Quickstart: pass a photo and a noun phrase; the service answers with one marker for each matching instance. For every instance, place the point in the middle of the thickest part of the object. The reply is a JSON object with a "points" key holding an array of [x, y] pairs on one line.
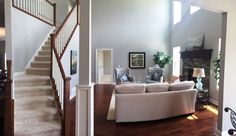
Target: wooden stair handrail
{"points": [[9, 103], [65, 114], [49, 2]]}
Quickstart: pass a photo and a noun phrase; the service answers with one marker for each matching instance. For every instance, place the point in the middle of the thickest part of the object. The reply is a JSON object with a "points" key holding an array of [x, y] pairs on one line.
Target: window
{"points": [[177, 12], [176, 61], [194, 9]]}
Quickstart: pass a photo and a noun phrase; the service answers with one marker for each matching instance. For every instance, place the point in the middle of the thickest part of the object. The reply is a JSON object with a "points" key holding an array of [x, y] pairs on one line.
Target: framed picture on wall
{"points": [[73, 62], [137, 60]]}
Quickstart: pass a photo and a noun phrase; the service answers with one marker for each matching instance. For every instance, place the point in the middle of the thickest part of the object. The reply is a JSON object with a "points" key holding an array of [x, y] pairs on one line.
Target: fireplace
{"points": [[196, 59]]}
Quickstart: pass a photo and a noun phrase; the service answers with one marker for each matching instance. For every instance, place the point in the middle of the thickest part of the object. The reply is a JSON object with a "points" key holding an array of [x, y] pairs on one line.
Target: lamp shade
{"points": [[199, 72]]}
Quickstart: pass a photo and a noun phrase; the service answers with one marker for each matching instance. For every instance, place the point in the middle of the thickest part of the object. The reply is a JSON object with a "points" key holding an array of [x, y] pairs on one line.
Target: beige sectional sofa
{"points": [[145, 102]]}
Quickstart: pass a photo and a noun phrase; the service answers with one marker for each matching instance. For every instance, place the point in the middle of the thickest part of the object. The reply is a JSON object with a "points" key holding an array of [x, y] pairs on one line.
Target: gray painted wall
{"points": [[28, 34], [208, 23], [130, 26]]}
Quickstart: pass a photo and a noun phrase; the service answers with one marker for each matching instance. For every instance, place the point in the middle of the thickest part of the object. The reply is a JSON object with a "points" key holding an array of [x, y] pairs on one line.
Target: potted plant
{"points": [[162, 59], [216, 63]]}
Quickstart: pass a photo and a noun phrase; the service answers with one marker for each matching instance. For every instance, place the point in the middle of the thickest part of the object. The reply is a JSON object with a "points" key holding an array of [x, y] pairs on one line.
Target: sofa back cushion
{"points": [[182, 85], [130, 88], [157, 87]]}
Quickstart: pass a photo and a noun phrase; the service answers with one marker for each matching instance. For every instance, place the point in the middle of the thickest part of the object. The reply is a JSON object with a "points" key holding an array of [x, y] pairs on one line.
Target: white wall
{"points": [[208, 23], [130, 26], [73, 45], [227, 82], [28, 34]]}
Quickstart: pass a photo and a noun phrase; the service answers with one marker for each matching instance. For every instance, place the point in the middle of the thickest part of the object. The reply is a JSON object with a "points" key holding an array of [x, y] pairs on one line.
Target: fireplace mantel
{"points": [[200, 54]]}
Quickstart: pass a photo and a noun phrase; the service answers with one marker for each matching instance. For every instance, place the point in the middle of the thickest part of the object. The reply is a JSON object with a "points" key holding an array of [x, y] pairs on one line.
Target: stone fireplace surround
{"points": [[196, 59]]}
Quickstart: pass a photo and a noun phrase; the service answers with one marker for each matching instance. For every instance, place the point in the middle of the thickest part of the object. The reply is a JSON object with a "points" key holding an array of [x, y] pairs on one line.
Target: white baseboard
{"points": [[213, 101], [36, 53], [18, 73]]}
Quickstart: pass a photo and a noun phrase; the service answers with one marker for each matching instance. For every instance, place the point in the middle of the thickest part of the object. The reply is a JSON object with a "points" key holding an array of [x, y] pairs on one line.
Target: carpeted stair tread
{"points": [[36, 114], [41, 64], [38, 71], [43, 58], [44, 52], [33, 90], [47, 47], [51, 128], [28, 79], [23, 103], [27, 100]]}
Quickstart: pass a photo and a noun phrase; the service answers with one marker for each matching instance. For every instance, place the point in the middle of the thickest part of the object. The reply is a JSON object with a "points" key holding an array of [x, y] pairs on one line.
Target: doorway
{"points": [[104, 66]]}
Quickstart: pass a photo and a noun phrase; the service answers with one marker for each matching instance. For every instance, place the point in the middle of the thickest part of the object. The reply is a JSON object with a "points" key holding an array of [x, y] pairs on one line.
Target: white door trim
{"points": [[97, 70]]}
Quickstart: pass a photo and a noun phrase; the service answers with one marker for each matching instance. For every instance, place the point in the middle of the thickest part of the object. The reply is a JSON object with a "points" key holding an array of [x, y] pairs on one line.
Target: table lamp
{"points": [[199, 73]]}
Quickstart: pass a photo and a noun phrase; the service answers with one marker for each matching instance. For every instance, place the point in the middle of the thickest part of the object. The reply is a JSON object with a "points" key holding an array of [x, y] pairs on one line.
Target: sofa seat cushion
{"points": [[182, 85], [157, 87], [130, 88]]}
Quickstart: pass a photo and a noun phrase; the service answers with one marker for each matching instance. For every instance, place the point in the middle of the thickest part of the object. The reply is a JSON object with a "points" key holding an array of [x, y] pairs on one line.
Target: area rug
{"points": [[111, 111]]}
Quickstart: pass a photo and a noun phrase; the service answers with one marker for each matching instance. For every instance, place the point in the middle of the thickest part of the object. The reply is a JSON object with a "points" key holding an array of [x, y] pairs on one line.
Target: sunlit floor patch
{"points": [[212, 109], [192, 117]]}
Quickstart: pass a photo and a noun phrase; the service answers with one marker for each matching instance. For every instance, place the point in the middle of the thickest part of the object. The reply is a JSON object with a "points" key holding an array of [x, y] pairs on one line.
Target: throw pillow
{"points": [[124, 78], [156, 77]]}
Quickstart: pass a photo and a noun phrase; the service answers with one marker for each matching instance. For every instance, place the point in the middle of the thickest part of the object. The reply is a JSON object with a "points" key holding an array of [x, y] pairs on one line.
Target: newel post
{"points": [[54, 14], [66, 105], [9, 103]]}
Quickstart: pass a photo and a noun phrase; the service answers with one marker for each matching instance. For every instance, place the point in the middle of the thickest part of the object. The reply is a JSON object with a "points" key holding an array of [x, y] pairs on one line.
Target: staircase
{"points": [[40, 101], [35, 108], [41, 64]]}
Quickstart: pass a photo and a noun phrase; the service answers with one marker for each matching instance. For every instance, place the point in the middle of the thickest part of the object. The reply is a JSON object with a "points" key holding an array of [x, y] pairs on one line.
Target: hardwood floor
{"points": [[205, 125]]}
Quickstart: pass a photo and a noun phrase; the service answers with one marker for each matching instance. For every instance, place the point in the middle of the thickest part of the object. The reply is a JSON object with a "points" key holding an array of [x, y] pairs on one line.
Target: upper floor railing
{"points": [[43, 10]]}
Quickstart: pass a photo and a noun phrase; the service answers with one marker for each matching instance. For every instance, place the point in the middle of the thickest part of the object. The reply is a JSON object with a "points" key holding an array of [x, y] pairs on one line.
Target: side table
{"points": [[202, 99]]}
